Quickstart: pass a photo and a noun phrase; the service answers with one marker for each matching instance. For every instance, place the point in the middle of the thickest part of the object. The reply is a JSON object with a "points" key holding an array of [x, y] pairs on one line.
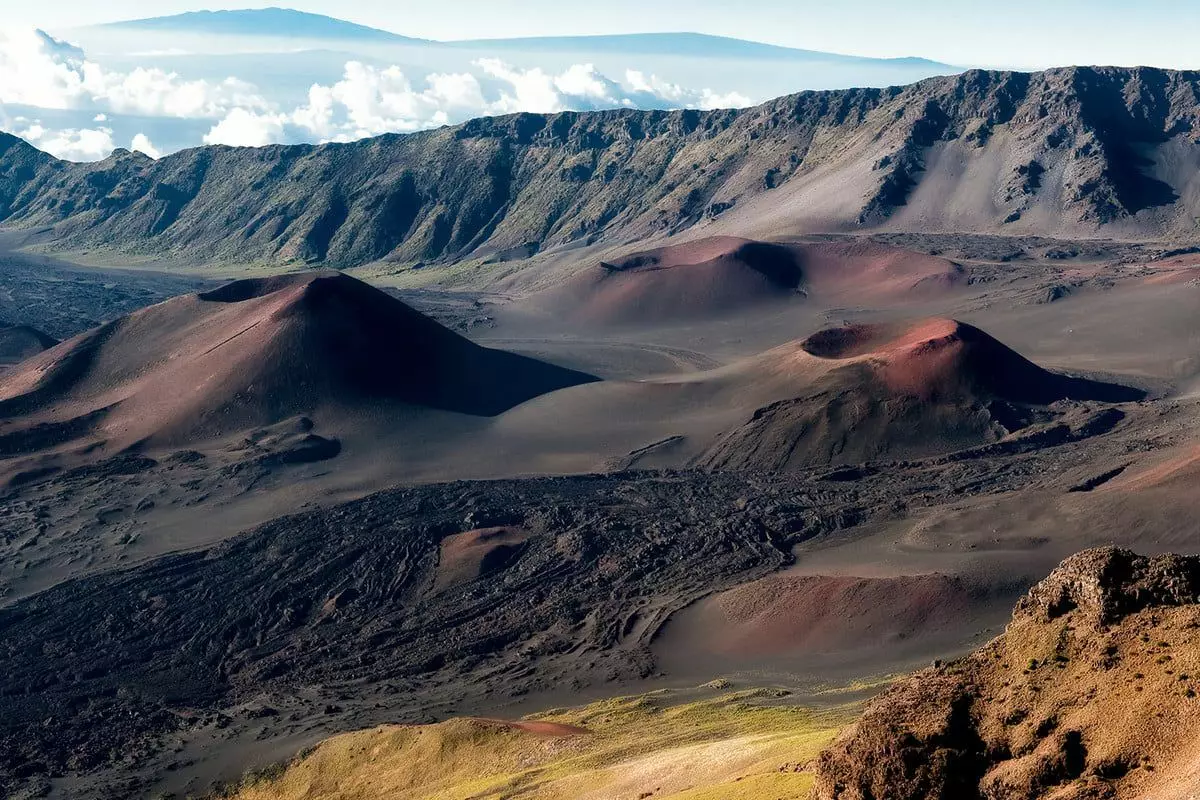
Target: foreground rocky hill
{"points": [[1090, 693], [1067, 151]]}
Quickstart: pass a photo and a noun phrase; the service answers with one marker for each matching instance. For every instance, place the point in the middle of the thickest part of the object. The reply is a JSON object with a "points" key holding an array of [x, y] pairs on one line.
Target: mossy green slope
{"points": [[745, 745]]}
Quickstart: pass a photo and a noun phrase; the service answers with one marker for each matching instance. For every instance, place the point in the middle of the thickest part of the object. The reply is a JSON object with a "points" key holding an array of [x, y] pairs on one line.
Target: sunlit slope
{"points": [[745, 745]]}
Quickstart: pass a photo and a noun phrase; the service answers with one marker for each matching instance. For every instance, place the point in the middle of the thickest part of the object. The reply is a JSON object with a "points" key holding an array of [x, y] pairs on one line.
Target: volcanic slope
{"points": [[743, 745], [1090, 693], [253, 353], [19, 342], [910, 391], [724, 275], [904, 391], [1066, 152]]}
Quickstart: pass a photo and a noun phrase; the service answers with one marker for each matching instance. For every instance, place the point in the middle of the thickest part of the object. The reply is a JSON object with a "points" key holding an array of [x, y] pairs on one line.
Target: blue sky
{"points": [[1020, 33]]}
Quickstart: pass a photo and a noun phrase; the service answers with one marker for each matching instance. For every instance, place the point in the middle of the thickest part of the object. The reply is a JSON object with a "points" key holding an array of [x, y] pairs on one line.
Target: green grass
{"points": [[740, 745]]}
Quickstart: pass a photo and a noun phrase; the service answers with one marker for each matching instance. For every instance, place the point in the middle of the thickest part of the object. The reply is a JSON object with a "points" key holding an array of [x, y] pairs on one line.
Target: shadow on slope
{"points": [[723, 275], [1090, 692], [913, 391], [253, 353]]}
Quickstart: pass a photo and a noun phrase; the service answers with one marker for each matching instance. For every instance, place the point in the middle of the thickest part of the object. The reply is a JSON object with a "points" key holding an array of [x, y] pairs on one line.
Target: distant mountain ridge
{"points": [[262, 22], [681, 43], [285, 22], [1068, 152]]}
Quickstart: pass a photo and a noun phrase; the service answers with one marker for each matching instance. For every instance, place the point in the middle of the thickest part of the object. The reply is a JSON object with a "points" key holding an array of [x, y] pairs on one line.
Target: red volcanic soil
{"points": [[254, 352], [721, 275], [1177, 467], [707, 278], [474, 554], [860, 270], [784, 614], [940, 358], [1183, 268], [904, 391]]}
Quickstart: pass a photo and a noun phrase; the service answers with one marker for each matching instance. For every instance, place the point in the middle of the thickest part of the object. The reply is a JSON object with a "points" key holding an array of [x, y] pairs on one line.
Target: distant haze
{"points": [[254, 77], [1026, 33], [81, 80]]}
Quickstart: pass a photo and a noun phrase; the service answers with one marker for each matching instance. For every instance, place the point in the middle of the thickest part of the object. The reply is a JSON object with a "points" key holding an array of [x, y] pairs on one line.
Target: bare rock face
{"points": [[1109, 584], [1072, 150], [1090, 693], [910, 745]]}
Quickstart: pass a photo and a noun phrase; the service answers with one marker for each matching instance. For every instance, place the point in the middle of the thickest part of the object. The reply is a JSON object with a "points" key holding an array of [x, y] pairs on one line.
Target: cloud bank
{"points": [[369, 101], [39, 71], [75, 144]]}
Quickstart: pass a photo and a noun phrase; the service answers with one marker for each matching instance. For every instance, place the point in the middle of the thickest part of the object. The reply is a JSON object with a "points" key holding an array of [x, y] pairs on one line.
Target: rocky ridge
{"points": [[1090, 693], [1074, 150]]}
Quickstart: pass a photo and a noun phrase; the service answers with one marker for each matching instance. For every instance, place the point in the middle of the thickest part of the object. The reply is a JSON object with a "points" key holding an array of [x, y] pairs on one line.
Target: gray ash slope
{"points": [[1066, 151]]}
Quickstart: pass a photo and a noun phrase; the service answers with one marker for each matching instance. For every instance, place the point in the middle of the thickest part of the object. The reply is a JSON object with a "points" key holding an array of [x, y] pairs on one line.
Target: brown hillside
{"points": [[719, 276], [905, 391], [815, 614], [1090, 693], [700, 279], [255, 352]]}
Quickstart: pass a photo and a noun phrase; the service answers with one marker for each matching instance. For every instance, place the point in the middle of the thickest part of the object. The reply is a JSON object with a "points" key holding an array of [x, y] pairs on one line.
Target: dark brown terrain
{"points": [[521, 593], [1090, 693], [19, 342], [938, 386], [802, 396]]}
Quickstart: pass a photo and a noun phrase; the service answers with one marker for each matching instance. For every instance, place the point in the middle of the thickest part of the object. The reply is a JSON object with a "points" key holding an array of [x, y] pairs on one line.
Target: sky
{"points": [[79, 94], [1016, 33]]}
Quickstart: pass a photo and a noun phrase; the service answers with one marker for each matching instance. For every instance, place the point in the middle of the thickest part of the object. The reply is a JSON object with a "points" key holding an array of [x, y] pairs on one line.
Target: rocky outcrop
{"points": [[1070, 151], [1108, 584], [1090, 693]]}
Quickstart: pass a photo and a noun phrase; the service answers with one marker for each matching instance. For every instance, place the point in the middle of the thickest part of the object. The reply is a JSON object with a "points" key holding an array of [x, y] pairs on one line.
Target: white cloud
{"points": [[242, 128], [40, 71], [73, 144], [368, 101], [529, 90], [153, 92], [687, 98], [142, 144]]}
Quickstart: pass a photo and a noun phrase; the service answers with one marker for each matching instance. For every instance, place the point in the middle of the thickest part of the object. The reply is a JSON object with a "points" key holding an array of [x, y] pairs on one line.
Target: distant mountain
{"points": [[1067, 152], [269, 22], [699, 45], [288, 23]]}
